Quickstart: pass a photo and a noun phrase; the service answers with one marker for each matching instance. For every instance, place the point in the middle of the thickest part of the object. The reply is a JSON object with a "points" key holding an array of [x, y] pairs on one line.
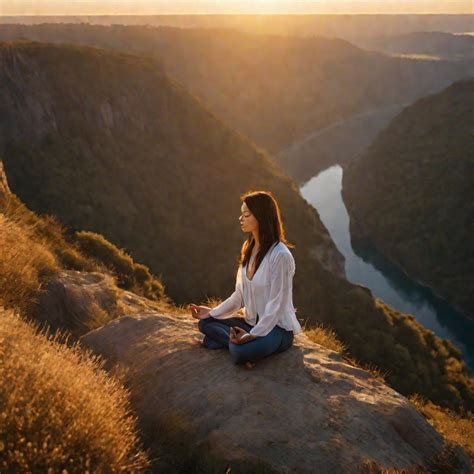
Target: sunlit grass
{"points": [[24, 261], [456, 428], [60, 409]]}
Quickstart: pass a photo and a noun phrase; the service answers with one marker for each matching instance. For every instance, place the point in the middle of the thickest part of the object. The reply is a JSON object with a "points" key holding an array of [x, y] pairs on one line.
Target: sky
{"points": [[144, 7]]}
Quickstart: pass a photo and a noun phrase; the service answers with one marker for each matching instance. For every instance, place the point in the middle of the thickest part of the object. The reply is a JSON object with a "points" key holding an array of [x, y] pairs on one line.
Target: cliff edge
{"points": [[305, 410]]}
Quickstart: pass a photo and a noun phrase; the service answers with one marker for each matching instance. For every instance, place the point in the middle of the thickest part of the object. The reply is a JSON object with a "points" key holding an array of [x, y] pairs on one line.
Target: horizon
{"points": [[233, 7]]}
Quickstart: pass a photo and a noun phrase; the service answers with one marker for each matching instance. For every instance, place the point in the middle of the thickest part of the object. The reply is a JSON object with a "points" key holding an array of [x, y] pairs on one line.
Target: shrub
{"points": [[131, 276], [60, 409], [24, 261], [98, 247], [50, 232]]}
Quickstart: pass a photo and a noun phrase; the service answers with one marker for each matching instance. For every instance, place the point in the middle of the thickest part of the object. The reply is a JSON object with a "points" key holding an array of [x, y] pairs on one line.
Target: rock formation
{"points": [[305, 410]]}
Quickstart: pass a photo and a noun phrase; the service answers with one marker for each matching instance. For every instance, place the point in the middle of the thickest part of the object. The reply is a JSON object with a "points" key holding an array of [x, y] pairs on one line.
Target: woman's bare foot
{"points": [[250, 365], [198, 341]]}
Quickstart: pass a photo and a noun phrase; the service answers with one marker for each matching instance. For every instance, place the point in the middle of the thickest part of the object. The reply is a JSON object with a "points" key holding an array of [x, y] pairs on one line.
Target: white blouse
{"points": [[269, 294]]}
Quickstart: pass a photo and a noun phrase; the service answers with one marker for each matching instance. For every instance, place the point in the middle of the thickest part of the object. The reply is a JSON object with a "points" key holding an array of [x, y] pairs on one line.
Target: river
{"points": [[370, 269]]}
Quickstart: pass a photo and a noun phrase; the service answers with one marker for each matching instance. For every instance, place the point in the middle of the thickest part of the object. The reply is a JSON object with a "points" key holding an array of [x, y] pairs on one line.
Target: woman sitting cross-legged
{"points": [[264, 286]]}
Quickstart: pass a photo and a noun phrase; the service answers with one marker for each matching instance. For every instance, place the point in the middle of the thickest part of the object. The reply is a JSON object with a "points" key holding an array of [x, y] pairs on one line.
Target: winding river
{"points": [[370, 269]]}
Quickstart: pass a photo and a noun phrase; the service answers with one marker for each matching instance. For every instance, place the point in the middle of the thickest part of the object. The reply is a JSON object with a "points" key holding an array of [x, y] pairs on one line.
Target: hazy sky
{"points": [[91, 7]]}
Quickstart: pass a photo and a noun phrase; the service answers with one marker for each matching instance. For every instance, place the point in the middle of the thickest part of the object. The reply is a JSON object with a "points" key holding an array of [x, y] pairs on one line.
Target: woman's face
{"points": [[248, 222]]}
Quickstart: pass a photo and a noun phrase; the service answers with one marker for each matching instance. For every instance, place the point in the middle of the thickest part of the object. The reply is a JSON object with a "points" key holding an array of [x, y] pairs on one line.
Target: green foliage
{"points": [[131, 276]]}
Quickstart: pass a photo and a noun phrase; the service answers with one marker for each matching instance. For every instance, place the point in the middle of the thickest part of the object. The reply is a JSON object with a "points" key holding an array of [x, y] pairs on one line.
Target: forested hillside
{"points": [[412, 195], [109, 143]]}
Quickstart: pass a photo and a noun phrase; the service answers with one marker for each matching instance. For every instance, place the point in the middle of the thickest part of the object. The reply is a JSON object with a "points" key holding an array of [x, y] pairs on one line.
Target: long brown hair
{"points": [[264, 207]]}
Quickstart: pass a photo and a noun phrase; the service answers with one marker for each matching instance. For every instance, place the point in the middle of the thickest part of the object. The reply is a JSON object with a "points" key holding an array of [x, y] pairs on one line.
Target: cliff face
{"points": [[411, 194], [107, 142]]}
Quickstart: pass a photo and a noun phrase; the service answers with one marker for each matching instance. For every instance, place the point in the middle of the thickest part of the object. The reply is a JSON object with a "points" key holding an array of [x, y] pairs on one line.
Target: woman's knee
{"points": [[286, 342], [237, 353], [203, 322]]}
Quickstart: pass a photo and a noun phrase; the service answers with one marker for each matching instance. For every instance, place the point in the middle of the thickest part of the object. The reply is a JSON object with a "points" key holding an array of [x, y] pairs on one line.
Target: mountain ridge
{"points": [[274, 89]]}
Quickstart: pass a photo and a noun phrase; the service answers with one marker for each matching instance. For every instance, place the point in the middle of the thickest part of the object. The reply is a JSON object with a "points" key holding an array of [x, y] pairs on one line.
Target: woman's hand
{"points": [[199, 312], [236, 334]]}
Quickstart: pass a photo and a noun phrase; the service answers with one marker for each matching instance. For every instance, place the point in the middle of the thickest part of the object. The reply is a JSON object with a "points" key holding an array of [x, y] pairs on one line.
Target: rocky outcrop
{"points": [[76, 301], [305, 410]]}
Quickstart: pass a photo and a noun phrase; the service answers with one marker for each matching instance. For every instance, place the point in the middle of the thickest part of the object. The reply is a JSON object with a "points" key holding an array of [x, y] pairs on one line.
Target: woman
{"points": [[264, 286]]}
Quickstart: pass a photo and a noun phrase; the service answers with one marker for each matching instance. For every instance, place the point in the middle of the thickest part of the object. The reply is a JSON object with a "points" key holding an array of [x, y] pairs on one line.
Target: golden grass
{"points": [[24, 261], [325, 337], [454, 427], [60, 409], [328, 338], [50, 232]]}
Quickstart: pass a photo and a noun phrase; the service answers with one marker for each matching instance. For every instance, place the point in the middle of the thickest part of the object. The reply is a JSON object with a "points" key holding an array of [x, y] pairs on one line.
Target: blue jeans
{"points": [[217, 333]]}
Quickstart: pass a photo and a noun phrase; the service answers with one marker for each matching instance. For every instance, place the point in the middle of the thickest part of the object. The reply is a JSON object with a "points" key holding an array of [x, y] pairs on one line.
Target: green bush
{"points": [[130, 275]]}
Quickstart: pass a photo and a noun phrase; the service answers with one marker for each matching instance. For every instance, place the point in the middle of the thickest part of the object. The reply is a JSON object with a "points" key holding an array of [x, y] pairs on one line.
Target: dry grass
{"points": [[456, 428], [325, 337], [458, 434], [447, 461], [60, 409], [25, 260], [51, 233], [211, 302]]}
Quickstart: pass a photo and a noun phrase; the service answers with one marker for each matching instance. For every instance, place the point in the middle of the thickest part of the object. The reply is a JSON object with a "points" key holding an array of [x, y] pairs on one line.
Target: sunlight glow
{"points": [[161, 7]]}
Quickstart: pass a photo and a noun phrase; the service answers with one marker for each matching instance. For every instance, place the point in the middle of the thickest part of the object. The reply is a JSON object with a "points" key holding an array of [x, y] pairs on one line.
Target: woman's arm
{"points": [[233, 303], [282, 271]]}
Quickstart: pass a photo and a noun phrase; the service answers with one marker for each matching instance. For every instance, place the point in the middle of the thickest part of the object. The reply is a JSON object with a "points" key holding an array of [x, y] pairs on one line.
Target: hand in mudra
{"points": [[236, 334], [199, 312]]}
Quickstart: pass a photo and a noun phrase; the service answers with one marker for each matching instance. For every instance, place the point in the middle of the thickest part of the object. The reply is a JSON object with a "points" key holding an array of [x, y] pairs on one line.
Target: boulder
{"points": [[305, 410]]}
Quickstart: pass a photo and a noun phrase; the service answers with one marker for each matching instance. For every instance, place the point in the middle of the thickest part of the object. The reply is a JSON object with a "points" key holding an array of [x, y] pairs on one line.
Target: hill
{"points": [[411, 194], [50, 390], [276, 90], [48, 278], [108, 143], [436, 44]]}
